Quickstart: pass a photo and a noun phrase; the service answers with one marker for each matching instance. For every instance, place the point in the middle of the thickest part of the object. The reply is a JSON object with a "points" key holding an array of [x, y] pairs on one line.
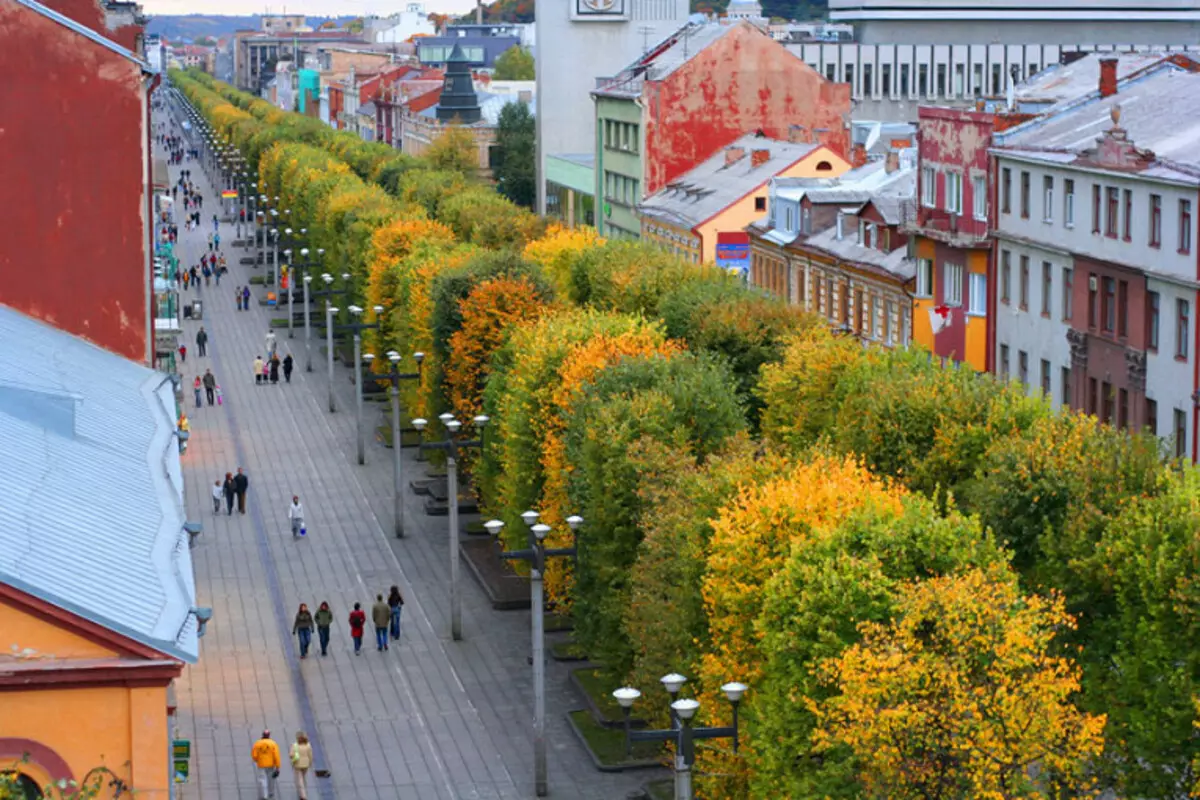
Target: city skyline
{"points": [[314, 7]]}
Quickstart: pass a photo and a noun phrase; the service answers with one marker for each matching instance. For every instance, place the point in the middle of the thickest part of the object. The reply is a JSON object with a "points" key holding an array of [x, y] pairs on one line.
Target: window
{"points": [[1151, 426], [904, 75], [1047, 199], [877, 319], [1185, 226], [889, 330], [1181, 329], [977, 294], [1155, 220], [1024, 194], [1092, 280], [1003, 361], [929, 187], [1023, 367], [979, 197], [1110, 219], [1024, 283], [1095, 208], [867, 80], [1045, 377], [1068, 289], [1093, 390], [760, 204], [805, 220], [1127, 229], [1069, 203], [1005, 276], [1106, 402], [1006, 190], [952, 290], [1066, 387], [1152, 315], [789, 219], [924, 277], [1109, 312], [1047, 286], [954, 192], [1180, 433], [860, 315], [1123, 308], [1122, 408]]}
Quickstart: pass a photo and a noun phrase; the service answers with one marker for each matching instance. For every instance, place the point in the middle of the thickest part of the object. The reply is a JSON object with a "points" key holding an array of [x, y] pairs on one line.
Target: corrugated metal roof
{"points": [[1060, 82], [714, 185], [92, 519], [896, 263]]}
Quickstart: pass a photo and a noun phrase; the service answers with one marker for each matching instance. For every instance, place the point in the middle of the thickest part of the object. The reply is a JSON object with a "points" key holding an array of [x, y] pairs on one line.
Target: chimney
{"points": [[733, 154], [893, 161], [759, 157], [1108, 77], [858, 155], [478, 12]]}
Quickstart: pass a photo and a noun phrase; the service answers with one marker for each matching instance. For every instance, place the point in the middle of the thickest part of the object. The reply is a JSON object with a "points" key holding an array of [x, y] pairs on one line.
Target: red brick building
{"points": [[76, 191]]}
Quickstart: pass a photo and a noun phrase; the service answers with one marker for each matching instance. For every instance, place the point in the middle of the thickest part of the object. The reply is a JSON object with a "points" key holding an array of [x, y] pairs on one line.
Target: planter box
{"points": [[579, 719], [441, 508], [425, 485], [505, 589], [601, 717]]}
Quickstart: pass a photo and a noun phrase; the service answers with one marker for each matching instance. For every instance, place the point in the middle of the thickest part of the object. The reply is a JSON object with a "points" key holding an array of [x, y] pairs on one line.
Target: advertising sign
{"points": [[733, 251]]}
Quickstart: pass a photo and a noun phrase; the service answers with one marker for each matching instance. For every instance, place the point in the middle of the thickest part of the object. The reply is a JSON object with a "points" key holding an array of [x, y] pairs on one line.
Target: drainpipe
{"points": [[150, 84]]}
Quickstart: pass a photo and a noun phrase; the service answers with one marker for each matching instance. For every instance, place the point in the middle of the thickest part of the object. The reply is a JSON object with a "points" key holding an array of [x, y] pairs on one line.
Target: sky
{"points": [[322, 7]]}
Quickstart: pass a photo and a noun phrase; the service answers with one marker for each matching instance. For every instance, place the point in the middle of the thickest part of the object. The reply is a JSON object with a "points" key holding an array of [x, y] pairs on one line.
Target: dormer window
{"points": [[790, 217]]}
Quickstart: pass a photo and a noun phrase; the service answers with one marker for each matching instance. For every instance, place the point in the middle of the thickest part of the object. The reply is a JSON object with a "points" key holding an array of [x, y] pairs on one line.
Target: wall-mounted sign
{"points": [[733, 251], [600, 10]]}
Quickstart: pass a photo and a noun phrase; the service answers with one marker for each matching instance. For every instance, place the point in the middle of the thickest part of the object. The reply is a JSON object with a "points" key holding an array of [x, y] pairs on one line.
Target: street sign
{"points": [[181, 752], [733, 251]]}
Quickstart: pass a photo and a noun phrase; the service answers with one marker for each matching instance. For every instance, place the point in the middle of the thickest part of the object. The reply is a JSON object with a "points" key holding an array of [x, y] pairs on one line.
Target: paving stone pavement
{"points": [[432, 718]]}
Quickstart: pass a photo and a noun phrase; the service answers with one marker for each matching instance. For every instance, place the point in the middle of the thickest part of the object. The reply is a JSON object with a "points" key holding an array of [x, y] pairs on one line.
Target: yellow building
{"points": [[97, 597], [728, 192]]}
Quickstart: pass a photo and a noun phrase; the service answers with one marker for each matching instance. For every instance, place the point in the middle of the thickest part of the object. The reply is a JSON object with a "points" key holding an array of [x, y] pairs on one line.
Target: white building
{"points": [[402, 26], [578, 42]]}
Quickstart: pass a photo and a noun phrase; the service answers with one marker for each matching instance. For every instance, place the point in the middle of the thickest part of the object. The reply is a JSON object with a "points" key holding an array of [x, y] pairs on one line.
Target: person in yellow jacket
{"points": [[301, 756], [266, 760]]}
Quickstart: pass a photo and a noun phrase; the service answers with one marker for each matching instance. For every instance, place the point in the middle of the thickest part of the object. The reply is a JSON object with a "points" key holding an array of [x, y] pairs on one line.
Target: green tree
{"points": [[516, 155], [454, 149], [514, 64]]}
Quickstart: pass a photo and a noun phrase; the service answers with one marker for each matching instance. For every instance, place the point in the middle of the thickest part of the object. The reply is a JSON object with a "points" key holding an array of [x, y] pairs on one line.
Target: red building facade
{"points": [[76, 190]]}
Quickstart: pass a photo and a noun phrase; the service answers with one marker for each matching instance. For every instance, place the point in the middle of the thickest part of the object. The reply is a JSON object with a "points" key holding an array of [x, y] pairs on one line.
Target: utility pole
{"points": [[478, 12]]}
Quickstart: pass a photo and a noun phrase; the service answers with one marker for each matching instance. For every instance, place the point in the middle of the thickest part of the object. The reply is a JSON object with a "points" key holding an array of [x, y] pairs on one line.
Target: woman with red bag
{"points": [[358, 621]]}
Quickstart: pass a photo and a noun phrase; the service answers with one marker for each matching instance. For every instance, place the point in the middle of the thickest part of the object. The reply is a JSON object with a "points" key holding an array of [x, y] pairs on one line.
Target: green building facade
{"points": [[620, 144]]}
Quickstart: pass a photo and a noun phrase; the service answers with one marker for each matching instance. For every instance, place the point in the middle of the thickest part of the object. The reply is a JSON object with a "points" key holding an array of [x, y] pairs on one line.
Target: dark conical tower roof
{"points": [[458, 92]]}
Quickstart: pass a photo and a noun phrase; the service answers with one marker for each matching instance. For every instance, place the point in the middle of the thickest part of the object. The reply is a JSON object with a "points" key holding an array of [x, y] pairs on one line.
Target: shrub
{"points": [[558, 250]]}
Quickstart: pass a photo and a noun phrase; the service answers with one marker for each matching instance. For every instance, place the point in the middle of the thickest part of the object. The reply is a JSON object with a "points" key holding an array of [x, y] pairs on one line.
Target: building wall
{"points": [[964, 337], [719, 95], [75, 252], [673, 238], [619, 173], [1169, 380], [565, 117]]}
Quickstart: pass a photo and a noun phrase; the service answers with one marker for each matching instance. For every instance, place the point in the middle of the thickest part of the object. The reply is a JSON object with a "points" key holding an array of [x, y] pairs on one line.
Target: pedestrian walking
{"points": [[237, 297], [270, 341], [274, 368], [266, 761], [245, 298], [395, 604], [381, 615], [216, 225], [324, 620], [302, 628], [266, 373], [218, 492], [296, 517], [358, 621], [210, 386], [258, 369], [229, 490], [240, 484], [197, 386], [216, 241], [182, 353], [288, 364], [202, 342], [301, 756]]}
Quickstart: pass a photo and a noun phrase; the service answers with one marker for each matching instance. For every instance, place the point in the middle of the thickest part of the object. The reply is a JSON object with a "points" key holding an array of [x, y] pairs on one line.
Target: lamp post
{"points": [[330, 310], [358, 328], [681, 732], [535, 555], [452, 444], [287, 232], [395, 376], [293, 267]]}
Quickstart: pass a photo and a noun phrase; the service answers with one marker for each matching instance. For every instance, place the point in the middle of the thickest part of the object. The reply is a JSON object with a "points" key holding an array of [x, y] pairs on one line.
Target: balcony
{"points": [[945, 226]]}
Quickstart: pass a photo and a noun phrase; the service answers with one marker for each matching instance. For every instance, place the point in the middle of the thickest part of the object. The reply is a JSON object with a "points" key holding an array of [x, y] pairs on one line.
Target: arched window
{"points": [[824, 166], [26, 787]]}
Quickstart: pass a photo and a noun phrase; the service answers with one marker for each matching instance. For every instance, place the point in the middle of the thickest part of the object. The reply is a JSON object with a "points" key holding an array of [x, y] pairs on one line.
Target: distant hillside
{"points": [[194, 26], [522, 10]]}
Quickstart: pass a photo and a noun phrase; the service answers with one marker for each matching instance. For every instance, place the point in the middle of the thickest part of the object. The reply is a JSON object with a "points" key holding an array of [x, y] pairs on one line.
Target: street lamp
{"points": [[535, 555], [358, 328], [395, 376], [681, 732], [452, 444], [293, 268], [330, 310]]}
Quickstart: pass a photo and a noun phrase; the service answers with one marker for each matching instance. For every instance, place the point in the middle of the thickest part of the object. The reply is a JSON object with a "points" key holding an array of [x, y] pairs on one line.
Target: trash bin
{"points": [[197, 310]]}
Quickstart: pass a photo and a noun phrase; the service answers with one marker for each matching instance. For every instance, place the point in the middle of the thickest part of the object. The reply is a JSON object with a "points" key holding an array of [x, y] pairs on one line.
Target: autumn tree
{"points": [[514, 64], [454, 149], [516, 155], [960, 696]]}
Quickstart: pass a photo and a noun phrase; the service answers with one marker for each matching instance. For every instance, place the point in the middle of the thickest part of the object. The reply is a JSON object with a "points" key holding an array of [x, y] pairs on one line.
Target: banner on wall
{"points": [[733, 251]]}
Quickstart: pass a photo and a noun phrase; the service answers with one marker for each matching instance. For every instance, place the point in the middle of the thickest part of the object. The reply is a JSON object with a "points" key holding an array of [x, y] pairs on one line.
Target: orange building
{"points": [[97, 597]]}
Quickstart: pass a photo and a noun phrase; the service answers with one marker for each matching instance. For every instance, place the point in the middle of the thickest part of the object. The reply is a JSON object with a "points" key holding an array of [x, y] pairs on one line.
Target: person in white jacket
{"points": [[296, 515]]}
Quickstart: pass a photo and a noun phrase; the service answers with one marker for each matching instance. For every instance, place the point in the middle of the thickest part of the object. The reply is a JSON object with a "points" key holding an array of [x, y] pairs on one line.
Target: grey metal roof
{"points": [[1061, 82], [1160, 113], [713, 185], [92, 519], [669, 55], [88, 33], [855, 186], [896, 263], [490, 106]]}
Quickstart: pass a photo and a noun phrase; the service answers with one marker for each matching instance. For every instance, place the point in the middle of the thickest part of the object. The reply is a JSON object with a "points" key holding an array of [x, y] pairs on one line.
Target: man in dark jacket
{"points": [[202, 342], [381, 615], [210, 386], [240, 484]]}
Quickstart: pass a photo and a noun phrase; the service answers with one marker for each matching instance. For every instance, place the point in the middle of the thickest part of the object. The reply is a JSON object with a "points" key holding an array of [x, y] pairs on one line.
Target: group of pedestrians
{"points": [[267, 764], [267, 371], [385, 616], [232, 488]]}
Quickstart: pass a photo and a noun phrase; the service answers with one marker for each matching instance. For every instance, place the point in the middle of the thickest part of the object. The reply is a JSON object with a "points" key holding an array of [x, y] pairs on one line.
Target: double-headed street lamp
{"points": [[395, 376], [535, 555], [292, 268], [452, 444], [681, 732], [358, 327], [330, 310]]}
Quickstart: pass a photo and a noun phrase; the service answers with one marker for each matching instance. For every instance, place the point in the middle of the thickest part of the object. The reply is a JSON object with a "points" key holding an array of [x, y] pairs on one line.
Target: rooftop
{"points": [[848, 248], [857, 185], [89, 469], [1063, 82], [1002, 10], [723, 179], [88, 33], [490, 106]]}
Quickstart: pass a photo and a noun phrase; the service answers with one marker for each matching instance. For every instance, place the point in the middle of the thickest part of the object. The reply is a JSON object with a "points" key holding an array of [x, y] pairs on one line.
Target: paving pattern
{"points": [[431, 718]]}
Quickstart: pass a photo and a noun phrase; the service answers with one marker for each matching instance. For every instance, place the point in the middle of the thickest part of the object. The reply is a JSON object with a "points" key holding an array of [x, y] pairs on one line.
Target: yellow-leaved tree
{"points": [[960, 696]]}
